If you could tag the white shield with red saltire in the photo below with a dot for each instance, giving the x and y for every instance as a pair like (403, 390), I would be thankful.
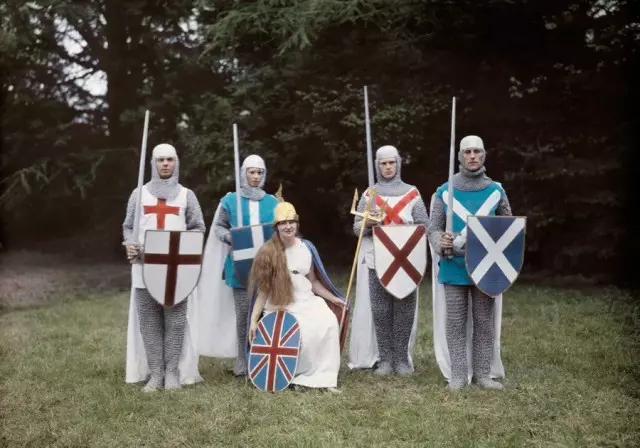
(172, 261)
(400, 255)
(273, 356)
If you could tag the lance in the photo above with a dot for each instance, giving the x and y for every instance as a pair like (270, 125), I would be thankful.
(236, 155)
(449, 223)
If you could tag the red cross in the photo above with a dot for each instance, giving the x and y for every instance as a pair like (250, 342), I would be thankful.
(392, 214)
(400, 259)
(275, 349)
(173, 259)
(161, 209)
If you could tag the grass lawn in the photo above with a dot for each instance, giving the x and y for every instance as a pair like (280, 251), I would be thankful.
(570, 361)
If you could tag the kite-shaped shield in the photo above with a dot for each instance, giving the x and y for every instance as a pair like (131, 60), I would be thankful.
(400, 253)
(273, 356)
(245, 243)
(495, 251)
(172, 262)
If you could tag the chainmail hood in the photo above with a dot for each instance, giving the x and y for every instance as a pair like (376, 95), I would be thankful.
(468, 180)
(246, 191)
(394, 186)
(164, 188)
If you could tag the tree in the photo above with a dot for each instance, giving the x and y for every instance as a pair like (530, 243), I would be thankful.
(148, 54)
(531, 77)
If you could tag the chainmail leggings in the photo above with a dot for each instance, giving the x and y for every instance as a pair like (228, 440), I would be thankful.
(242, 302)
(482, 305)
(162, 331)
(393, 321)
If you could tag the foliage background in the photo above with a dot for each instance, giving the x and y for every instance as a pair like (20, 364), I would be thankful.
(547, 84)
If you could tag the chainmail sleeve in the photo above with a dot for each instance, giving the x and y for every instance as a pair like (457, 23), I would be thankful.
(194, 217)
(357, 222)
(419, 213)
(222, 224)
(504, 208)
(437, 223)
(127, 225)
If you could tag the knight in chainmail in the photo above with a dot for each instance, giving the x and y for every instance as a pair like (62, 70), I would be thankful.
(165, 205)
(480, 195)
(260, 207)
(393, 318)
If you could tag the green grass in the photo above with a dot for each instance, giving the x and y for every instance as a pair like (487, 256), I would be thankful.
(570, 364)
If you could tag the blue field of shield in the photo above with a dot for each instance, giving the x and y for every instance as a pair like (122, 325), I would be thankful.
(261, 365)
(244, 247)
(495, 273)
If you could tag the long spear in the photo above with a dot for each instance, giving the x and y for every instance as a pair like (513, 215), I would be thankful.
(367, 209)
(143, 155)
(236, 155)
(449, 223)
(367, 123)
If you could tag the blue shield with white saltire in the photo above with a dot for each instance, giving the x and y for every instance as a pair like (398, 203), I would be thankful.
(495, 251)
(245, 243)
(273, 356)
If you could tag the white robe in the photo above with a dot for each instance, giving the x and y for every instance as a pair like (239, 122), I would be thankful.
(319, 356)
(363, 346)
(137, 368)
(440, 347)
(216, 318)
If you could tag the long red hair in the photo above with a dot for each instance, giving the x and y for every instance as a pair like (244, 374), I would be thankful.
(270, 274)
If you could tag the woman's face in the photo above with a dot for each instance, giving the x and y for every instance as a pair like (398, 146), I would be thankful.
(287, 230)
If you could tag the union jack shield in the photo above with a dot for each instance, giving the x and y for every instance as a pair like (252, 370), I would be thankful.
(495, 251)
(245, 243)
(273, 356)
(400, 253)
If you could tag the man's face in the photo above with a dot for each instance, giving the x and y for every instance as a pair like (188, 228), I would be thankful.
(254, 176)
(165, 166)
(388, 167)
(472, 158)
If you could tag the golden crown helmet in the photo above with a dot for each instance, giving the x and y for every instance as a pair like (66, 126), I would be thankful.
(285, 211)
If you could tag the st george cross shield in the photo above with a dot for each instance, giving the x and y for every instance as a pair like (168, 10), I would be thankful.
(273, 356)
(245, 243)
(494, 251)
(400, 253)
(172, 261)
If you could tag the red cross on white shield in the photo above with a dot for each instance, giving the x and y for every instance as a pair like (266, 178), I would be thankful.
(172, 262)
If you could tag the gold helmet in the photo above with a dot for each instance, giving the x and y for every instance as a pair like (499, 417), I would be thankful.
(284, 211)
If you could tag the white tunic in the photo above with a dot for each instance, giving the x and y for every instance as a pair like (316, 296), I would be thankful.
(319, 357)
(158, 214)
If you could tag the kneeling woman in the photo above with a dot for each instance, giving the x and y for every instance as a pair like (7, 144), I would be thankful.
(288, 275)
